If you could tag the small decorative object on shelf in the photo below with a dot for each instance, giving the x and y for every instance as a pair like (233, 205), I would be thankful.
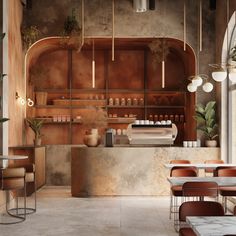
(93, 119)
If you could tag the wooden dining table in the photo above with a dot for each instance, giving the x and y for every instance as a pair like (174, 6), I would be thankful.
(212, 225)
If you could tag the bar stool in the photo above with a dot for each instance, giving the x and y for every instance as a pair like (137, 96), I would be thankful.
(13, 179)
(30, 178)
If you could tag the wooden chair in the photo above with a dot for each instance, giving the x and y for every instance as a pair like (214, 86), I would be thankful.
(197, 208)
(210, 170)
(13, 179)
(226, 191)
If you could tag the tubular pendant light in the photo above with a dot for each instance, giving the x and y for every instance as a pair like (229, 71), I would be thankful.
(93, 67)
(82, 20)
(113, 31)
(163, 66)
(200, 25)
(184, 25)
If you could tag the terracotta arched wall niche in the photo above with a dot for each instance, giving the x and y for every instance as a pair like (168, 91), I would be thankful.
(67, 81)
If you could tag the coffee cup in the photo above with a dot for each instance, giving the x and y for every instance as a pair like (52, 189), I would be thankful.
(190, 144)
(185, 144)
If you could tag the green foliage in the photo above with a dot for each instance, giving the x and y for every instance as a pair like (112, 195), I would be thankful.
(233, 53)
(35, 125)
(71, 24)
(30, 35)
(206, 119)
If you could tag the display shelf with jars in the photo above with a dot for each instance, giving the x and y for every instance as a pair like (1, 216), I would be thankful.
(128, 88)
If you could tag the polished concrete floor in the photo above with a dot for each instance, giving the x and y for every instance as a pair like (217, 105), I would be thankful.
(59, 214)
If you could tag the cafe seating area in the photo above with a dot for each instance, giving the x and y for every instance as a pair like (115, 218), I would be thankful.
(118, 118)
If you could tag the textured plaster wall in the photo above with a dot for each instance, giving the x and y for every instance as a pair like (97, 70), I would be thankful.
(15, 73)
(166, 20)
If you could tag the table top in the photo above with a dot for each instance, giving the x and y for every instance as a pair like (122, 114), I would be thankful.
(200, 165)
(213, 225)
(12, 157)
(221, 181)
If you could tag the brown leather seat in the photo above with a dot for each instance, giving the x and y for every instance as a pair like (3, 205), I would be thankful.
(211, 170)
(198, 208)
(13, 179)
(226, 191)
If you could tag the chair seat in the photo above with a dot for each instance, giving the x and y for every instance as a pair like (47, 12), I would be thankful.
(12, 183)
(186, 232)
(228, 191)
(177, 191)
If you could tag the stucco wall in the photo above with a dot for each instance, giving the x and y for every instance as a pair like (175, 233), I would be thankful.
(15, 73)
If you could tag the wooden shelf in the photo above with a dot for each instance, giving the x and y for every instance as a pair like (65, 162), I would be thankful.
(164, 107)
(65, 107)
(125, 91)
(72, 90)
(121, 120)
(125, 107)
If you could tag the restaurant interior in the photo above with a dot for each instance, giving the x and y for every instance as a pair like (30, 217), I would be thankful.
(118, 117)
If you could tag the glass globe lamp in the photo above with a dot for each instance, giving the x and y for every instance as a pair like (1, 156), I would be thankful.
(191, 88)
(207, 87)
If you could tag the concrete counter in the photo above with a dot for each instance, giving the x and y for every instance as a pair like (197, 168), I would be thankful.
(127, 171)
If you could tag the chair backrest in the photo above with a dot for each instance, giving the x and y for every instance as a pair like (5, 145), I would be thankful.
(225, 171)
(200, 189)
(180, 162)
(200, 208)
(181, 171)
(210, 170)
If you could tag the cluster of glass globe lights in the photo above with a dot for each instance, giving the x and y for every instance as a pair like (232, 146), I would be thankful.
(219, 75)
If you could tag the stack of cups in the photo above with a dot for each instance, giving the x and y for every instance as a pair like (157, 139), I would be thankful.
(190, 144)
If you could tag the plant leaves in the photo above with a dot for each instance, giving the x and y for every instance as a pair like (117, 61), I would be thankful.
(210, 106)
(3, 120)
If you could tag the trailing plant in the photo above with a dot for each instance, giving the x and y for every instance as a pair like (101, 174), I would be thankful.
(206, 119)
(30, 35)
(71, 35)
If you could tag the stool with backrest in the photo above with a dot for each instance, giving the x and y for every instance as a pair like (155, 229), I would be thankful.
(30, 178)
(176, 191)
(13, 179)
(226, 191)
(211, 170)
(197, 208)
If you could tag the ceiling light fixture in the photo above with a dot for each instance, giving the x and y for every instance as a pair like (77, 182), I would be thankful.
(140, 5)
(113, 31)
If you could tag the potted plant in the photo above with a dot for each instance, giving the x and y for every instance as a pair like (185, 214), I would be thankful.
(93, 119)
(36, 125)
(206, 122)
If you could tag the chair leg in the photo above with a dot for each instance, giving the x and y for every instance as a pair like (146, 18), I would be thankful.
(18, 216)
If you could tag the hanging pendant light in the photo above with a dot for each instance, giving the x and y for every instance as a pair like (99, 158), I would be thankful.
(140, 5)
(219, 75)
(232, 75)
(93, 67)
(191, 88)
(197, 80)
(207, 87)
